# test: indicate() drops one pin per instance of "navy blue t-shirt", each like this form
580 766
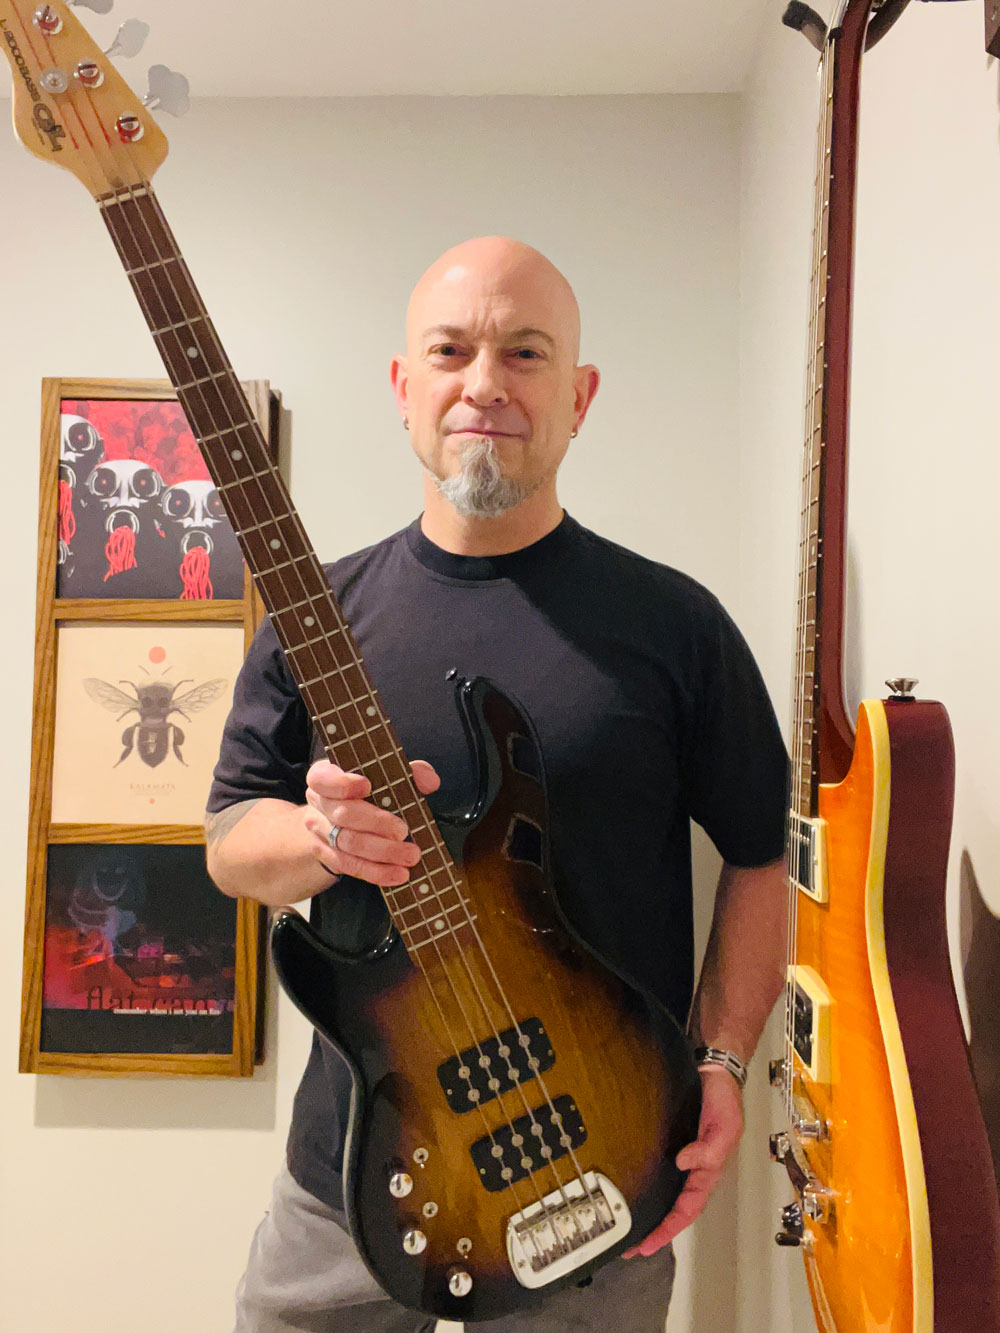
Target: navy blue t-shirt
649 709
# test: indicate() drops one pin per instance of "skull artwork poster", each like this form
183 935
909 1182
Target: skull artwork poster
138 515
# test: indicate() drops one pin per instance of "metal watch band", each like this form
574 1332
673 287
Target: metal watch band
728 1060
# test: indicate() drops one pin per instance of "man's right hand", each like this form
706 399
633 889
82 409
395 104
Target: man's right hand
372 843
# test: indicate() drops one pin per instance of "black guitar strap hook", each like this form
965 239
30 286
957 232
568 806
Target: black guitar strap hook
804 19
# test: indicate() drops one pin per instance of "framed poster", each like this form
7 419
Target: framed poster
138 514
139 952
139 717
133 961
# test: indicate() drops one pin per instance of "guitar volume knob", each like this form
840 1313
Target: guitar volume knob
400 1184
414 1241
459 1282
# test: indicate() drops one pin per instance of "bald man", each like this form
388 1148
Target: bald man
649 710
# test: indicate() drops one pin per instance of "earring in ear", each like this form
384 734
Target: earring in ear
574 432
406 423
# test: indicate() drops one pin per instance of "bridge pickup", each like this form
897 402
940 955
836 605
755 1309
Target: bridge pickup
496 1065
529 1144
812 1016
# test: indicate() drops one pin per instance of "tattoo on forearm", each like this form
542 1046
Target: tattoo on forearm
219 824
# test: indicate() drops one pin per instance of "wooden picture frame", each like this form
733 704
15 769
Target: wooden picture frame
116 895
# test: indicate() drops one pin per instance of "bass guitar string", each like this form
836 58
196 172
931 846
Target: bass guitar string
131 196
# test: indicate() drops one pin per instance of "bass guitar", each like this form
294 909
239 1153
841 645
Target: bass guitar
895 1204
517 1106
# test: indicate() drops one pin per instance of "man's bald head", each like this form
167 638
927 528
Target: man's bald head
501 272
489 387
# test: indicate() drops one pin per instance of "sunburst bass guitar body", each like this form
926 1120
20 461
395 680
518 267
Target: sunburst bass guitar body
900 1178
464 1198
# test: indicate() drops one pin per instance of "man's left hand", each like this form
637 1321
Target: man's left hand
719 1132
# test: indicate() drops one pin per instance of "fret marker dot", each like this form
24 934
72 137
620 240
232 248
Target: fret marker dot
236 455
387 801
275 544
370 710
309 622
192 352
425 888
331 727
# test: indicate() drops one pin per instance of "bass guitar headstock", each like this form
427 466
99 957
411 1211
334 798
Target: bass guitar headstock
72 107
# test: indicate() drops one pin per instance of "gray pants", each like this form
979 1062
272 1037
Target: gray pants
304 1275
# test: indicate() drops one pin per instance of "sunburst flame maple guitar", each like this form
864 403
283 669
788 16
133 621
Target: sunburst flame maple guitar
517 1106
896 1204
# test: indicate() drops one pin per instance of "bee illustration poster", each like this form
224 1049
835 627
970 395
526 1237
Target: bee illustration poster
139 715
138 514
139 952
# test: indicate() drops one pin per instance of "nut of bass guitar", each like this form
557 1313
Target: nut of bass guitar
517 1106
897 1208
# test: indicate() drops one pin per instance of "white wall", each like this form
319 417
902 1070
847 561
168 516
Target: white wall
305 225
924 461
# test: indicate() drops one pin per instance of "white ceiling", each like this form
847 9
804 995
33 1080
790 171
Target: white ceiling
337 48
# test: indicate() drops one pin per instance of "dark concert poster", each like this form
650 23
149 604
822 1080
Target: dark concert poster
138 514
140 952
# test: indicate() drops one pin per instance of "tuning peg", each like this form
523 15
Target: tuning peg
130 38
167 91
98 6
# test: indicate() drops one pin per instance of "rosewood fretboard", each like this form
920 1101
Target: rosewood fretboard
823 736
319 647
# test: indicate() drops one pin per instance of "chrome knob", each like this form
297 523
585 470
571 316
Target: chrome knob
400 1184
778 1146
459 1282
414 1241
902 686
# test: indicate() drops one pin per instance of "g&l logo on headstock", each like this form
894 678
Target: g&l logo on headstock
45 121
48 124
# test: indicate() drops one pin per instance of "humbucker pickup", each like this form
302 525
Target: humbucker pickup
529 1144
807 855
496 1065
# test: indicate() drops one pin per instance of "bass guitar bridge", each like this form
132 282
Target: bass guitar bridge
567 1229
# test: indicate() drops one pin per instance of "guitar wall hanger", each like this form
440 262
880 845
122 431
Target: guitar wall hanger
802 18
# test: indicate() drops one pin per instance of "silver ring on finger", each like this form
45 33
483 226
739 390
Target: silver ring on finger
333 835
